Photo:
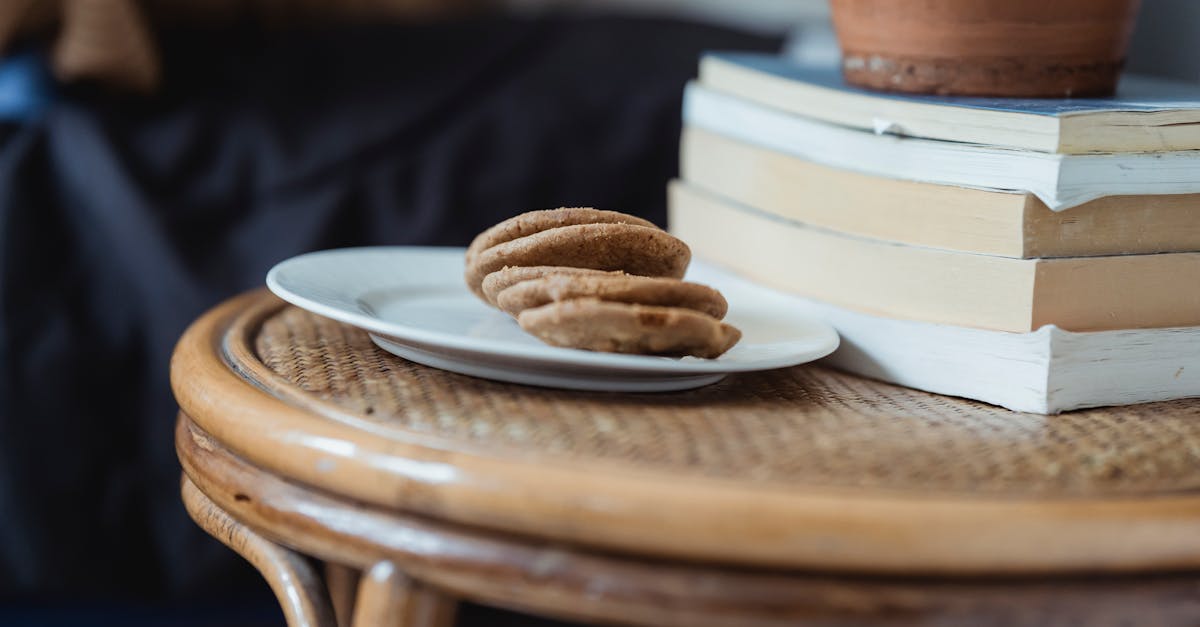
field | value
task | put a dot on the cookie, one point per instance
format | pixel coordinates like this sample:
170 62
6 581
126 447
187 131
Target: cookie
598 280
505 278
635 249
637 290
536 221
598 325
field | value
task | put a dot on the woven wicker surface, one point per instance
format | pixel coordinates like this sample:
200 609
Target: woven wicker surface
800 426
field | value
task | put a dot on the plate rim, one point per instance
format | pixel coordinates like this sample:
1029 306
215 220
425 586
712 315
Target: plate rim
619 381
824 343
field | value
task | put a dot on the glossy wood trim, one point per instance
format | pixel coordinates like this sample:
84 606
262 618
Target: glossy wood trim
653 513
385 598
573 583
296 586
433 608
342 583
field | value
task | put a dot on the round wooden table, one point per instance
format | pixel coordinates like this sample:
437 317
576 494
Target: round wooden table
797 496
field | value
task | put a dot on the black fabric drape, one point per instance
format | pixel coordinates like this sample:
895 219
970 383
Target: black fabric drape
122 220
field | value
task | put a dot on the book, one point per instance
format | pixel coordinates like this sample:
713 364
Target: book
1045 371
1145 115
933 285
1008 224
1059 181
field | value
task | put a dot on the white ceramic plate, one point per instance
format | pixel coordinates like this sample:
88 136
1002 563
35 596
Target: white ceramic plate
413 302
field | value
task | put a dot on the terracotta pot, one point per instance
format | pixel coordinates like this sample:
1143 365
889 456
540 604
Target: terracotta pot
1015 48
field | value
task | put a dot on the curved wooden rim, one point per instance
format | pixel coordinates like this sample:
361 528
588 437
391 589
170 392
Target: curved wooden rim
650 513
571 583
284 571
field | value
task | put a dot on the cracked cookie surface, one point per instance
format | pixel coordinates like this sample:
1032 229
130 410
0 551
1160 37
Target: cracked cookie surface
504 278
598 280
598 325
575 237
630 289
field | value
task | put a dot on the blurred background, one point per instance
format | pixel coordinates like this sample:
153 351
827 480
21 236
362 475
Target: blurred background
158 156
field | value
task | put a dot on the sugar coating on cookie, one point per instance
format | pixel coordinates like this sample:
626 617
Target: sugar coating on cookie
597 325
645 251
504 278
639 290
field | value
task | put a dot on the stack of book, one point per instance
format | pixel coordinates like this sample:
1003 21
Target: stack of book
1042 255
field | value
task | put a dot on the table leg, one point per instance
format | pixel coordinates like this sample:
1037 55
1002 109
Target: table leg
432 608
297 587
342 582
386 597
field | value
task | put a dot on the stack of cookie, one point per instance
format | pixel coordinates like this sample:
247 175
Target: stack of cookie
598 280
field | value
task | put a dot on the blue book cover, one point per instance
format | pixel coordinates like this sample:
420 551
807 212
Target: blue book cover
1135 93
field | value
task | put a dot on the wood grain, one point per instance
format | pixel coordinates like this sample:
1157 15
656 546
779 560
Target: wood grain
1105 490
432 608
384 597
342 583
296 586
573 583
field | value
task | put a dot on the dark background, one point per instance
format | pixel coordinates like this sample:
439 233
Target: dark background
123 217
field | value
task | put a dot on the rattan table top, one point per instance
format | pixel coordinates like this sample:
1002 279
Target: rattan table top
776 452
804 425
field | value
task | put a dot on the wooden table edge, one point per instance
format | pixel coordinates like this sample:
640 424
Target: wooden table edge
575 583
696 518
